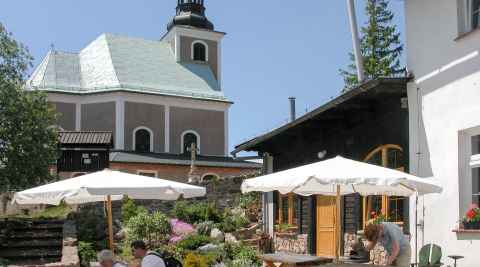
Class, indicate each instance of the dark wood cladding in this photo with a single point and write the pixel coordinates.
(83, 161)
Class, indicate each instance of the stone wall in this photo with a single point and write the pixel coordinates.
(378, 255)
(292, 243)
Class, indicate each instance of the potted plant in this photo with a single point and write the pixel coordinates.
(472, 218)
(377, 218)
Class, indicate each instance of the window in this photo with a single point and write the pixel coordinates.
(199, 51)
(143, 139)
(189, 138)
(390, 156)
(475, 168)
(147, 173)
(475, 11)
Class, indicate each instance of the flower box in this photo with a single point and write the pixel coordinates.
(471, 225)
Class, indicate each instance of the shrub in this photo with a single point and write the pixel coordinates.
(248, 200)
(130, 209)
(242, 252)
(86, 253)
(91, 224)
(241, 263)
(152, 228)
(195, 260)
(205, 228)
(192, 242)
(196, 212)
(232, 223)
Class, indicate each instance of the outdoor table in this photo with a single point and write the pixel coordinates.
(287, 259)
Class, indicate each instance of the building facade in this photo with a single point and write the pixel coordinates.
(368, 123)
(443, 40)
(157, 97)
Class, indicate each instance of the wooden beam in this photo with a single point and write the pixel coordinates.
(338, 224)
(110, 223)
(290, 208)
(280, 209)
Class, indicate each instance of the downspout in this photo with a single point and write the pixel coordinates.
(356, 40)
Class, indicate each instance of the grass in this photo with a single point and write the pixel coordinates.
(53, 212)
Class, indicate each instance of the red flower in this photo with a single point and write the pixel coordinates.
(471, 214)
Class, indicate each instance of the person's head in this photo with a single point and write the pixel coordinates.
(372, 232)
(105, 258)
(139, 249)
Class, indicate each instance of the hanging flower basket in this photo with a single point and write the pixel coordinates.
(471, 221)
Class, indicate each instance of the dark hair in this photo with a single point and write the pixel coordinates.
(139, 244)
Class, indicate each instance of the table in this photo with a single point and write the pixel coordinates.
(287, 259)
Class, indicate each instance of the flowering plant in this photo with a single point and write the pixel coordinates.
(473, 214)
(377, 218)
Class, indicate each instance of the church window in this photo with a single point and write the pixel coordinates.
(143, 140)
(199, 51)
(189, 138)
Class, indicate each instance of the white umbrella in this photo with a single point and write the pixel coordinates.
(322, 178)
(107, 185)
(341, 176)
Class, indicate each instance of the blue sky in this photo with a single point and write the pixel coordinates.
(273, 49)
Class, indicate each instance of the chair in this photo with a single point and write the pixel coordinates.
(430, 256)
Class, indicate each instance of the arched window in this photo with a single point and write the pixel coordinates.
(189, 138)
(210, 177)
(143, 139)
(199, 51)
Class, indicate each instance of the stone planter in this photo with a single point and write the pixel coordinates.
(471, 225)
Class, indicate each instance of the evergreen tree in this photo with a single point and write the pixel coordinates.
(27, 136)
(380, 46)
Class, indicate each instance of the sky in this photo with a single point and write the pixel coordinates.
(273, 49)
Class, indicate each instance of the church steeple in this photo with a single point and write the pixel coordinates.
(191, 13)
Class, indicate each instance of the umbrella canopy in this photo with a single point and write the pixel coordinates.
(322, 178)
(94, 187)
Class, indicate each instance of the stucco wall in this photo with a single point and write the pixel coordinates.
(66, 116)
(99, 117)
(443, 101)
(208, 124)
(186, 52)
(146, 115)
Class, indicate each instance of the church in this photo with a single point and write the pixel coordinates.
(161, 100)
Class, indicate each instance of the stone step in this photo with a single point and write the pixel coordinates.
(38, 234)
(23, 225)
(33, 262)
(29, 243)
(30, 253)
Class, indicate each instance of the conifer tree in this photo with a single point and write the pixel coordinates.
(380, 45)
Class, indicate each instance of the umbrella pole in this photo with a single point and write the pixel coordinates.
(110, 222)
(337, 225)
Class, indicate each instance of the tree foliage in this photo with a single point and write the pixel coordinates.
(27, 136)
(381, 46)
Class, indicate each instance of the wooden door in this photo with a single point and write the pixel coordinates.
(326, 209)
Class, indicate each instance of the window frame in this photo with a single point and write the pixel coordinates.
(155, 173)
(192, 48)
(467, 162)
(182, 141)
(466, 15)
(135, 135)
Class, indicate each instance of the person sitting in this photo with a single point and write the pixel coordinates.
(106, 259)
(391, 237)
(149, 258)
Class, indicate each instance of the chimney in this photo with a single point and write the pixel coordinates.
(293, 114)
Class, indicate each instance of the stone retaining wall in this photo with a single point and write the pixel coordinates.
(292, 243)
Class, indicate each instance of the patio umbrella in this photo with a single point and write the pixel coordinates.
(106, 186)
(340, 176)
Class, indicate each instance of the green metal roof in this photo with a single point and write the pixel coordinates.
(113, 63)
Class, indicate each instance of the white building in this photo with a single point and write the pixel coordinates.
(443, 46)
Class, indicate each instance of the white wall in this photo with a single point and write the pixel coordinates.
(444, 100)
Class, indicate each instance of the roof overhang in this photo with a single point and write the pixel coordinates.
(380, 84)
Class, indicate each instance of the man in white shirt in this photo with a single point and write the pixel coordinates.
(149, 259)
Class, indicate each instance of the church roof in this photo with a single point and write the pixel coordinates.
(119, 63)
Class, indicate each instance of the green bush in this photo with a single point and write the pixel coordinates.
(86, 253)
(130, 209)
(152, 228)
(204, 228)
(231, 223)
(195, 260)
(241, 252)
(247, 200)
(196, 212)
(91, 225)
(192, 242)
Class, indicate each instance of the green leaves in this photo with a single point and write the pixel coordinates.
(380, 46)
(28, 138)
